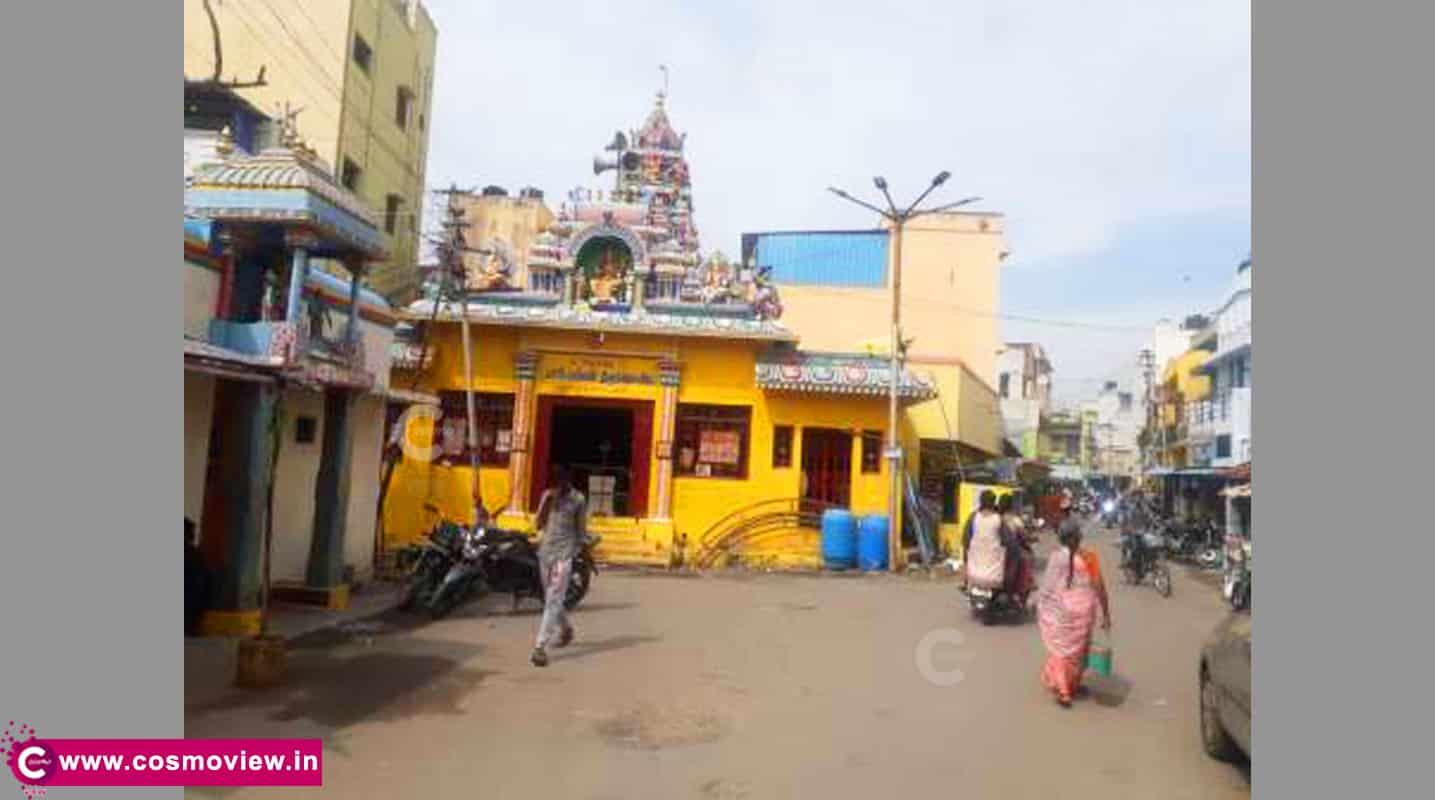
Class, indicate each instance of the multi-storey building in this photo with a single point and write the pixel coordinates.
(1024, 386)
(1220, 426)
(359, 76)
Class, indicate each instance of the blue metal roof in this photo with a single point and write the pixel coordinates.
(823, 258)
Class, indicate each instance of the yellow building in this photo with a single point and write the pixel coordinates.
(696, 428)
(1181, 384)
(836, 294)
(696, 440)
(360, 74)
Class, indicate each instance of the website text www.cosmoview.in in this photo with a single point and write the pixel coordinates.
(168, 762)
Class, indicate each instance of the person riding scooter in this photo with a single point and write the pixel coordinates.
(983, 550)
(1020, 574)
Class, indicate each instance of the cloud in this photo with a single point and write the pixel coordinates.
(1079, 121)
(1073, 118)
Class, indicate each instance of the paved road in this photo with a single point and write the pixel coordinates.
(742, 686)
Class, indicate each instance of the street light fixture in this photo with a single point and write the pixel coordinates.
(899, 219)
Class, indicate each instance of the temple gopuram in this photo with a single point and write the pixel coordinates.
(697, 428)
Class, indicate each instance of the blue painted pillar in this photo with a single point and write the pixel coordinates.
(298, 273)
(355, 271)
(245, 459)
(331, 492)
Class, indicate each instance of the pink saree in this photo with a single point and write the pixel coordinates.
(1066, 617)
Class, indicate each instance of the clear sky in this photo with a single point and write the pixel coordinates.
(1114, 134)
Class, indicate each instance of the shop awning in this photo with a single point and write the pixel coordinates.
(1243, 490)
(837, 373)
(1185, 472)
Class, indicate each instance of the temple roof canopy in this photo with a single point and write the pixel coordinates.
(291, 187)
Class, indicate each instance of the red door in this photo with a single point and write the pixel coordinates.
(827, 465)
(642, 459)
(641, 454)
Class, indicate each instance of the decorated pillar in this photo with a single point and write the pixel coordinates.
(640, 288)
(525, 368)
(668, 376)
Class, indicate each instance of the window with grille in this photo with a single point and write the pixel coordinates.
(494, 417)
(782, 446)
(1006, 385)
(712, 441)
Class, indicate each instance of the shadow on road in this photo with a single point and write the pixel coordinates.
(1108, 691)
(336, 691)
(584, 649)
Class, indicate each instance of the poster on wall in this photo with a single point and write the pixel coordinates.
(505, 441)
(687, 457)
(720, 447)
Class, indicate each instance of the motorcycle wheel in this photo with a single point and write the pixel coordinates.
(444, 601)
(411, 595)
(578, 585)
(1161, 579)
(419, 589)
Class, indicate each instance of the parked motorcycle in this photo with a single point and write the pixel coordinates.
(498, 560)
(428, 563)
(1197, 543)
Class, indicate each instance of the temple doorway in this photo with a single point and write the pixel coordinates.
(607, 444)
(827, 466)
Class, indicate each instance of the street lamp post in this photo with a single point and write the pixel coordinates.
(899, 219)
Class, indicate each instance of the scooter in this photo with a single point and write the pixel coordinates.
(988, 605)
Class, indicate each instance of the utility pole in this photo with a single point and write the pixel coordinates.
(451, 245)
(899, 219)
(1147, 360)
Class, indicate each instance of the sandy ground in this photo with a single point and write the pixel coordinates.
(742, 686)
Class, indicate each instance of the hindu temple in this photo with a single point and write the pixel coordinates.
(662, 375)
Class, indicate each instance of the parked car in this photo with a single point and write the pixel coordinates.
(1226, 688)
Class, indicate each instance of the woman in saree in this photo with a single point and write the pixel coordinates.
(1072, 593)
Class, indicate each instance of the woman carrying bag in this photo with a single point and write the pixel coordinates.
(1072, 593)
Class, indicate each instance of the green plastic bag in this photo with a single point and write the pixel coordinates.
(1099, 656)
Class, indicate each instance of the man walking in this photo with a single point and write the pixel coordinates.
(563, 520)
